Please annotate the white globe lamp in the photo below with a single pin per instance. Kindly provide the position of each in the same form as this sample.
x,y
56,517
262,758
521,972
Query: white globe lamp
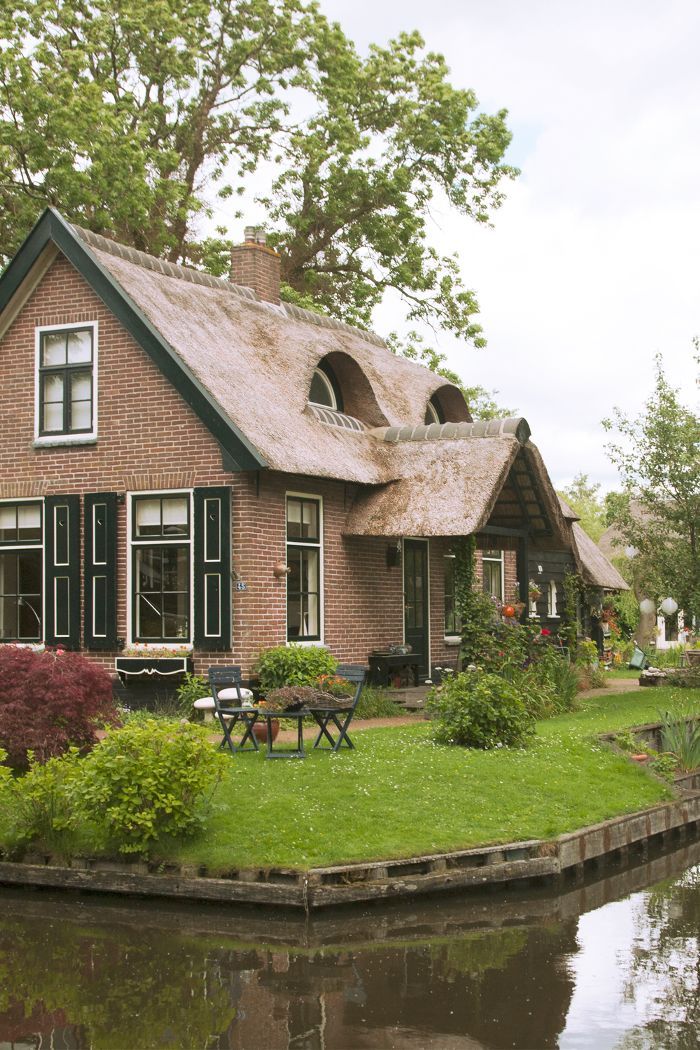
x,y
669,607
647,606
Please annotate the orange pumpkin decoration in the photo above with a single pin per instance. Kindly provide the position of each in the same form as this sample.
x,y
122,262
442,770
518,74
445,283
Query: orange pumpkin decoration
x,y
509,610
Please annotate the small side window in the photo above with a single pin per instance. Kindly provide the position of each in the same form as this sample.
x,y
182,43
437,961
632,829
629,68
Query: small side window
x,y
324,389
66,383
552,599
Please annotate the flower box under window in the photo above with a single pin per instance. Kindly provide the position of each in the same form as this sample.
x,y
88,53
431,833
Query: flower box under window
x,y
141,666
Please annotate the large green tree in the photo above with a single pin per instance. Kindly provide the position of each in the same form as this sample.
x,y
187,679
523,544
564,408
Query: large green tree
x,y
131,117
583,496
658,513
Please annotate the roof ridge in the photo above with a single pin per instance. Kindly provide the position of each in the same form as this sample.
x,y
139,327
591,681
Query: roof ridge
x,y
207,280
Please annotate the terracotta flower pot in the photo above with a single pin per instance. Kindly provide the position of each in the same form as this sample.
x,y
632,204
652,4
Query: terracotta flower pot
x,y
260,730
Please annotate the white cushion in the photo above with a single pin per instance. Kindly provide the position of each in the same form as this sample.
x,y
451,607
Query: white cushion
x,y
232,694
205,704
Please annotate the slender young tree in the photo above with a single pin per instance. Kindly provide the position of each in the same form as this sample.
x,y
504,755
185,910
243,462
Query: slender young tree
x,y
658,458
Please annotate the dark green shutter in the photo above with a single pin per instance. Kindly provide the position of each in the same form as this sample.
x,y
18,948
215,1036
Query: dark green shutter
x,y
212,568
62,570
100,630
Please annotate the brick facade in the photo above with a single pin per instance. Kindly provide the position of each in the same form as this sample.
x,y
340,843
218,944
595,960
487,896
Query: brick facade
x,y
149,439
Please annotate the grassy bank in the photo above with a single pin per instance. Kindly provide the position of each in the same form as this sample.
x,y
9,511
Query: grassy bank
x,y
398,794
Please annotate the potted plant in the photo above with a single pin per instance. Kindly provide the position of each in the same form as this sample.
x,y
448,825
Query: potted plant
x,y
534,591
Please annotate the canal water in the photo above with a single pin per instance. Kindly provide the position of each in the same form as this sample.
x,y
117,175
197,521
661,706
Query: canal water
x,y
614,962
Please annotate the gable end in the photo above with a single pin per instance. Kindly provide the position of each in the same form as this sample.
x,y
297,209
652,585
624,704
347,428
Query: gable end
x,y
31,262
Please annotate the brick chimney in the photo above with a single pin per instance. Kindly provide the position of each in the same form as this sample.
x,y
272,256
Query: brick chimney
x,y
256,266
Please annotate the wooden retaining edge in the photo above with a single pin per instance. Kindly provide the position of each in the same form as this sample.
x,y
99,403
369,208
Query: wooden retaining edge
x,y
381,880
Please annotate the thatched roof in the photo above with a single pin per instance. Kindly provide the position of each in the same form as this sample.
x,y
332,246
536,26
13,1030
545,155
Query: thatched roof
x,y
257,360
444,488
568,511
246,366
595,567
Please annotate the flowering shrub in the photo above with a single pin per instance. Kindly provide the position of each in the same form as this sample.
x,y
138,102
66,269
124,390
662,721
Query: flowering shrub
x,y
480,710
48,702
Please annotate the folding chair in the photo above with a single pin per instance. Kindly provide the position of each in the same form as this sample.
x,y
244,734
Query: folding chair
x,y
340,718
225,685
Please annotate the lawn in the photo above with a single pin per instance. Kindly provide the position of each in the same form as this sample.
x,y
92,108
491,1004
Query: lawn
x,y
398,794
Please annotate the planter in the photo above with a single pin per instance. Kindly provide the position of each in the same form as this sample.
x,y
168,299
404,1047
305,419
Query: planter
x,y
152,665
260,730
453,639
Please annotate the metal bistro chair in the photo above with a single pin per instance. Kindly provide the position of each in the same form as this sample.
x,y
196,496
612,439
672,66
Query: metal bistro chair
x,y
325,716
225,685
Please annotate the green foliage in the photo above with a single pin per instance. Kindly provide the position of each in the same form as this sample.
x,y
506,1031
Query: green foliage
x,y
658,458
686,677
377,703
587,654
40,800
193,687
147,781
125,115
583,496
680,735
294,665
479,710
665,766
573,595
476,610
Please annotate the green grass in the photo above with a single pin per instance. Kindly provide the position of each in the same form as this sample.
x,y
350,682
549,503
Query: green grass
x,y
398,794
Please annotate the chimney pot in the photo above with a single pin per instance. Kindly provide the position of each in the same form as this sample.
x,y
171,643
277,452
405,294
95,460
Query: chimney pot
x,y
249,233
260,237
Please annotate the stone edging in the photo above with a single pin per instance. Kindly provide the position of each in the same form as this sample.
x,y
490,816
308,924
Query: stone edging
x,y
381,880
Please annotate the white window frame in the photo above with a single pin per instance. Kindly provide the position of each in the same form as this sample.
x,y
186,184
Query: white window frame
x,y
86,437
431,410
131,542
552,613
320,641
493,561
31,643
331,392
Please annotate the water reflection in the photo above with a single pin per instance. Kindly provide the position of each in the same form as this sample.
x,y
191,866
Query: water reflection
x,y
610,963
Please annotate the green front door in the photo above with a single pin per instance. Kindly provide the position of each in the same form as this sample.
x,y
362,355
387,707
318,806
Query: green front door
x,y
415,598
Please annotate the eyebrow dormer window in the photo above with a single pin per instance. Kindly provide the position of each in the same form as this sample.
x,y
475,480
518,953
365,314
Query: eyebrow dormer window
x,y
324,389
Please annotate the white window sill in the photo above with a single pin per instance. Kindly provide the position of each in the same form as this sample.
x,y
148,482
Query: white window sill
x,y
64,439
317,643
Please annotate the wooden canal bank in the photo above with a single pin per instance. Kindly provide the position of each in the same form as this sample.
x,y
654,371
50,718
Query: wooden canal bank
x,y
538,861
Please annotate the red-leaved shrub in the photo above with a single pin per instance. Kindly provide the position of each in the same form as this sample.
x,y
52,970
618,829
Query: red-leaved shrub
x,y
49,701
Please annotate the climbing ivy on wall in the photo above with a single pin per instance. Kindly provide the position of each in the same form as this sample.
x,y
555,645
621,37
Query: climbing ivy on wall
x,y
574,592
475,609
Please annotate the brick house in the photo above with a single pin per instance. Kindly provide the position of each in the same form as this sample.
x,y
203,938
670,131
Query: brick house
x,y
191,466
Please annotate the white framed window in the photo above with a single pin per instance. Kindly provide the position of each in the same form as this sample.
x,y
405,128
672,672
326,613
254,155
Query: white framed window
x,y
161,567
304,528
66,383
322,390
493,573
552,599
21,571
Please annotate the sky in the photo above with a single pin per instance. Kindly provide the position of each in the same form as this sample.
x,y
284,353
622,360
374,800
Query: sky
x,y
591,266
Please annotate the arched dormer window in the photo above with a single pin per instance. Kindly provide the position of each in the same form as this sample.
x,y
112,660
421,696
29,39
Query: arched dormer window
x,y
433,413
324,389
